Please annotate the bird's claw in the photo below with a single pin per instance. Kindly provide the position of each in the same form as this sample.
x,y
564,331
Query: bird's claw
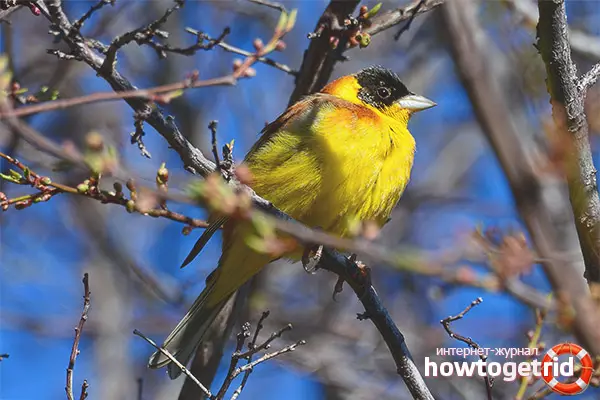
x,y
338,288
311,258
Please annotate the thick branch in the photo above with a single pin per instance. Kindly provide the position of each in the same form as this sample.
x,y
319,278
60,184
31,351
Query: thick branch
x,y
541,200
319,59
568,100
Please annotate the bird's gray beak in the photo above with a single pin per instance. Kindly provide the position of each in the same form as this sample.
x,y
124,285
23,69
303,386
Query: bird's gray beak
x,y
415,103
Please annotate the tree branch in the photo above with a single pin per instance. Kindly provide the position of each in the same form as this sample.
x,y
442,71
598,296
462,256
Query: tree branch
x,y
541,200
406,13
75,348
568,107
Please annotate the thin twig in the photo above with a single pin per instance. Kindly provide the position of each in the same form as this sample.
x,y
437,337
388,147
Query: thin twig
x,y
212,126
251,346
470,342
589,79
49,189
392,18
277,6
184,370
84,386
414,13
146,32
147,94
75,348
77,25
234,371
241,338
264,60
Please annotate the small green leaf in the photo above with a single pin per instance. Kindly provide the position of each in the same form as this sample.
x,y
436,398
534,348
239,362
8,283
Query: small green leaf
x,y
10,179
15,174
5,79
282,22
291,20
373,11
3,62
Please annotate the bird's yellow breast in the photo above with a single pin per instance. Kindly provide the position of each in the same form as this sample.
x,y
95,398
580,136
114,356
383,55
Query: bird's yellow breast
x,y
333,162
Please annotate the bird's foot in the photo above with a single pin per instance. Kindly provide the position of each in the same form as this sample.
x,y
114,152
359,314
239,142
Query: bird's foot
x,y
311,258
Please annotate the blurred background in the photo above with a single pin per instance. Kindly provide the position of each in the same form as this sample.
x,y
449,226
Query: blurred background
x,y
133,261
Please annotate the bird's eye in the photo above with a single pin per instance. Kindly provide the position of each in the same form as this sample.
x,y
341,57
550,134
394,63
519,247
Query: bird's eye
x,y
383,92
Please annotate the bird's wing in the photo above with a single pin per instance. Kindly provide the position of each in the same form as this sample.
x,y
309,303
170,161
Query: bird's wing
x,y
201,242
305,109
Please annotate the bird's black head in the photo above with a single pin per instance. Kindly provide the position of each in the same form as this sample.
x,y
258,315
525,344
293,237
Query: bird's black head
x,y
380,87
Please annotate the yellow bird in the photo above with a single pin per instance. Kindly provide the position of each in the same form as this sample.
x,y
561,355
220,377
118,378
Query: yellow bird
x,y
342,154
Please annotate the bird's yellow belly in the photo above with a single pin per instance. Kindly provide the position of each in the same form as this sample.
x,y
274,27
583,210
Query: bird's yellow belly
x,y
322,186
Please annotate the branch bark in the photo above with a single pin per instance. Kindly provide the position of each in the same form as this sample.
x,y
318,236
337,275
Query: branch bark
x,y
542,200
319,59
567,100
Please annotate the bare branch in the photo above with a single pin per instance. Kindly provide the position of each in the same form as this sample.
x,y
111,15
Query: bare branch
x,y
583,43
75,348
470,342
101,3
568,112
406,13
184,370
589,79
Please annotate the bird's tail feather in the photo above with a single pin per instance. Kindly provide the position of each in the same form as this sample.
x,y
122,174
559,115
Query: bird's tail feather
x,y
189,332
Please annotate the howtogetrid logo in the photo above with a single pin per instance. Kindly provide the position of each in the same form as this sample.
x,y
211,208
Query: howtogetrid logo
x,y
550,369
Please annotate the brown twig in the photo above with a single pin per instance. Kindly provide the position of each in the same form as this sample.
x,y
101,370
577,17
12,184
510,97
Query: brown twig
x,y
77,25
212,127
234,371
392,18
75,348
470,342
151,94
184,370
264,60
414,12
48,189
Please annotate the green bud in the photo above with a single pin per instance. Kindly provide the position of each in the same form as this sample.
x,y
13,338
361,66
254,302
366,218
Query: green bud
x,y
83,188
130,206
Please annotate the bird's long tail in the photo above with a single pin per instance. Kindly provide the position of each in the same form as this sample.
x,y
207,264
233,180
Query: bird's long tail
x,y
189,332
237,265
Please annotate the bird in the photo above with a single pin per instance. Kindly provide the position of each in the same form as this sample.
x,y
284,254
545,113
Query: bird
x,y
342,154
